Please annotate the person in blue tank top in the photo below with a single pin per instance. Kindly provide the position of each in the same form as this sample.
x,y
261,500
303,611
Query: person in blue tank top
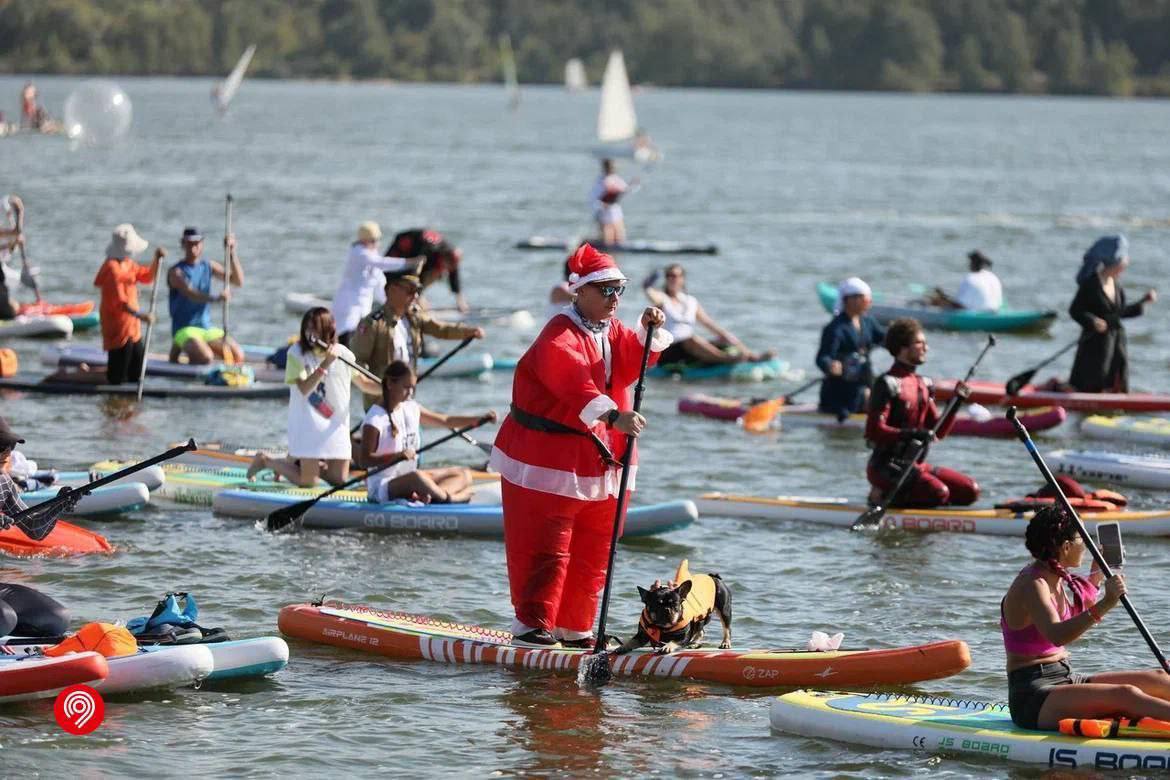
x,y
843,356
190,303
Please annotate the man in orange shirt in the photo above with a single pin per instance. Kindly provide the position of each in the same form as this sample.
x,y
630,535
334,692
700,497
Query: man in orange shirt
x,y
122,319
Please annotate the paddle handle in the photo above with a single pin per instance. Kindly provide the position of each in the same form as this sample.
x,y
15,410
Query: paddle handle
x,y
1090,544
89,487
149,331
367,373
627,456
434,367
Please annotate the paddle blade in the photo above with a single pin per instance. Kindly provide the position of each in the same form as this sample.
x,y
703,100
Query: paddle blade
x,y
759,418
594,669
287,515
869,518
1017,382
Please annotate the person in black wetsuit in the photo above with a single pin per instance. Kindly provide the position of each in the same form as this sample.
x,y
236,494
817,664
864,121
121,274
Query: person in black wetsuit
x,y
844,353
442,258
24,611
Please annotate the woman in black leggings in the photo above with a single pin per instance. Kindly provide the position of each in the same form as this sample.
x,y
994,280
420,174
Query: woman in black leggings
x,y
26,612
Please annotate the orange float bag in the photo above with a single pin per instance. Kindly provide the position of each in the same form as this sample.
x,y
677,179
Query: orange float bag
x,y
8,363
104,638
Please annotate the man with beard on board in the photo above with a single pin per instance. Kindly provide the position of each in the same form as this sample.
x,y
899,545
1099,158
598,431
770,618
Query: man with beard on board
x,y
902,414
558,454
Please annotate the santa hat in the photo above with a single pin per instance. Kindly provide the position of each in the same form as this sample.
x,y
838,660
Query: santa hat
x,y
587,266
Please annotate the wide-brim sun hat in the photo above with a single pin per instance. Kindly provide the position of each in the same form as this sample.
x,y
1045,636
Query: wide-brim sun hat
x,y
125,242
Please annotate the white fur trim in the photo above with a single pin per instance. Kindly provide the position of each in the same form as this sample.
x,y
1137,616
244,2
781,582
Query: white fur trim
x,y
663,338
561,483
597,407
610,274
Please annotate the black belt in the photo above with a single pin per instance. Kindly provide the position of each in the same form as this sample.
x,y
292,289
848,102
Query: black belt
x,y
544,425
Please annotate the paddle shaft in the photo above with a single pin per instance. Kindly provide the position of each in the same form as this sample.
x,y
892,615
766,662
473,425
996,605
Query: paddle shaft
x,y
434,367
1091,545
28,271
173,452
228,261
806,386
874,515
599,646
1013,385
296,510
149,331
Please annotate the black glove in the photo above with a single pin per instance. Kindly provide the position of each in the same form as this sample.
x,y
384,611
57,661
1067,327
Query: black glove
x,y
69,499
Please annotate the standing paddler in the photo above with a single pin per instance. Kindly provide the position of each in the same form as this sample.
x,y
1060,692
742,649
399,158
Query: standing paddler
x,y
559,449
902,416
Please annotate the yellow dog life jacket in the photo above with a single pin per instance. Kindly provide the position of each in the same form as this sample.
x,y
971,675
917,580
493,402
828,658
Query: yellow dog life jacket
x,y
698,605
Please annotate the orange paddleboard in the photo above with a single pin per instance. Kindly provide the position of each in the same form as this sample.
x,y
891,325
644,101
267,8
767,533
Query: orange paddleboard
x,y
66,539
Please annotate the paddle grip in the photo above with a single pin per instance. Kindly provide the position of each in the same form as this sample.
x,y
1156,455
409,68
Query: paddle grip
x,y
1090,544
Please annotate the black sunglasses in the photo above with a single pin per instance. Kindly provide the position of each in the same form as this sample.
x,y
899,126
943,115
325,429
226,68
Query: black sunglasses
x,y
608,290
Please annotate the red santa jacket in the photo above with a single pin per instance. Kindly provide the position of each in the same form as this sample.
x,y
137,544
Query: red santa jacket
x,y
561,374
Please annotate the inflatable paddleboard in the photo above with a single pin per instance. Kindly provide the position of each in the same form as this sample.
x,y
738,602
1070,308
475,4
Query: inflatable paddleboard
x,y
732,409
472,519
887,309
169,667
1143,430
633,247
153,477
65,539
840,512
158,365
259,390
240,659
35,677
994,393
747,371
115,499
37,326
955,727
1145,471
400,635
79,309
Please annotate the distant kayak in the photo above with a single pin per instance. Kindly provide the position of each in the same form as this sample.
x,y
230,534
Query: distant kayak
x,y
45,326
473,519
840,512
1093,466
1029,397
417,637
887,308
1146,430
259,390
732,409
66,539
633,247
956,727
746,371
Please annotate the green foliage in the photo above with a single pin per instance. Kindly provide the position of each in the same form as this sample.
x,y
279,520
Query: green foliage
x,y
1109,47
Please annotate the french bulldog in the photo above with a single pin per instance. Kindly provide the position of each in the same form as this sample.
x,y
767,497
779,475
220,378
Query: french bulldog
x,y
676,614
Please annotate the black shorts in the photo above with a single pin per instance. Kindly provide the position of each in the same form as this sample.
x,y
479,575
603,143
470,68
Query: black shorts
x,y
674,354
124,364
1029,687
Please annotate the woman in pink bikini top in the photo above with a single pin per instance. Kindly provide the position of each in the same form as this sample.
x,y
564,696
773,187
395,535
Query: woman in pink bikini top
x,y
1039,616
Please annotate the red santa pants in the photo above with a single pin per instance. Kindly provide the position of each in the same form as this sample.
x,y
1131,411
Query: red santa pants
x,y
932,486
557,551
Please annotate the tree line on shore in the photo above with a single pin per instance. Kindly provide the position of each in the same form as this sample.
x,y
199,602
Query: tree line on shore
x,y
1102,47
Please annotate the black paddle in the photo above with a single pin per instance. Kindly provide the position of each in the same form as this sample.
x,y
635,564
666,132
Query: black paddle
x,y
874,514
1062,499
287,515
1013,385
70,493
594,669
434,366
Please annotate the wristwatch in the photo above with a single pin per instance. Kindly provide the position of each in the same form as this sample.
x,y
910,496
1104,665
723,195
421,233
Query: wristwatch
x,y
611,417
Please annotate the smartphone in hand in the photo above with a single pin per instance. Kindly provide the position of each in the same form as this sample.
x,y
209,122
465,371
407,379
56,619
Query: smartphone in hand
x,y
1109,540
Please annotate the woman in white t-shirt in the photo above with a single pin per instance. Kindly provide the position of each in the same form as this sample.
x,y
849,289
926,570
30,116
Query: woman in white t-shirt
x,y
318,405
683,312
390,435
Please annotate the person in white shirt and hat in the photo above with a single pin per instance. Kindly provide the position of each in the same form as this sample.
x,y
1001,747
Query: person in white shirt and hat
x,y
362,279
980,289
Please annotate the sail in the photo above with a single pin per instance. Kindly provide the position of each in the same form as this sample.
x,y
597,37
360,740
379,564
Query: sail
x,y
575,78
227,90
508,64
616,120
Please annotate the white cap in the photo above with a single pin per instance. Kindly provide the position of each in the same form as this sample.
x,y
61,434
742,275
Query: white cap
x,y
854,285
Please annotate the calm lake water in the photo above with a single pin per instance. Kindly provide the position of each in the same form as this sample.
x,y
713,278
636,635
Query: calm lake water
x,y
794,188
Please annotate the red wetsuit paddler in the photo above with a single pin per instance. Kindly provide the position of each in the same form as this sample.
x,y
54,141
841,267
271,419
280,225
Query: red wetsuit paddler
x,y
902,412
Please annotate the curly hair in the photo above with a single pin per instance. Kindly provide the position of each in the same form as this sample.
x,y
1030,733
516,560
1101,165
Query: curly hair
x,y
1048,529
901,334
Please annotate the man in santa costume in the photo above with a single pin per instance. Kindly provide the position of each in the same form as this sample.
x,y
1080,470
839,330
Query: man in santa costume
x,y
559,451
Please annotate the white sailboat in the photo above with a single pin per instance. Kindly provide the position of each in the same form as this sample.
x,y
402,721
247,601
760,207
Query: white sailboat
x,y
575,78
508,64
223,93
617,123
